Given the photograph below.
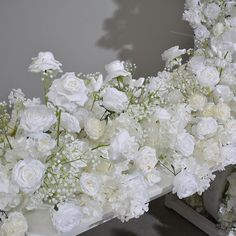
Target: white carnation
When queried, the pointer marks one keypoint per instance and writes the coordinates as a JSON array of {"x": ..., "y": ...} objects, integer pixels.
[
  {"x": 70, "y": 122},
  {"x": 37, "y": 119},
  {"x": 28, "y": 174},
  {"x": 172, "y": 53},
  {"x": 15, "y": 225},
  {"x": 94, "y": 128},
  {"x": 197, "y": 102},
  {"x": 146, "y": 159},
  {"x": 66, "y": 217},
  {"x": 114, "y": 100},
  {"x": 68, "y": 92},
  {"x": 44, "y": 61},
  {"x": 212, "y": 11},
  {"x": 185, "y": 144},
  {"x": 185, "y": 184},
  {"x": 89, "y": 184}
]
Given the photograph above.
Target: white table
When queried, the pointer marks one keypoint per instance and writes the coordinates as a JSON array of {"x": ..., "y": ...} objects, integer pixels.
[{"x": 40, "y": 222}]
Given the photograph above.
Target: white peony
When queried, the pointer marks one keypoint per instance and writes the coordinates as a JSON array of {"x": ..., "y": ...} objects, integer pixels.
[
  {"x": 15, "y": 225},
  {"x": 146, "y": 159},
  {"x": 28, "y": 175},
  {"x": 206, "y": 126},
  {"x": 212, "y": 11},
  {"x": 116, "y": 69},
  {"x": 197, "y": 102},
  {"x": 171, "y": 53},
  {"x": 70, "y": 122},
  {"x": 68, "y": 92},
  {"x": 37, "y": 119},
  {"x": 66, "y": 217},
  {"x": 89, "y": 184},
  {"x": 185, "y": 143},
  {"x": 114, "y": 100},
  {"x": 123, "y": 146},
  {"x": 201, "y": 33},
  {"x": 209, "y": 76},
  {"x": 185, "y": 184},
  {"x": 45, "y": 61},
  {"x": 94, "y": 128}
]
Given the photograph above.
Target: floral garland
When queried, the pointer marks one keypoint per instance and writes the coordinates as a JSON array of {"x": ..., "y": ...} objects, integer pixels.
[{"x": 101, "y": 141}]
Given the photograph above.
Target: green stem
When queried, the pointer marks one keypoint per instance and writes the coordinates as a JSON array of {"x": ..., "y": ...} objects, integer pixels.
[
  {"x": 58, "y": 127},
  {"x": 8, "y": 141}
]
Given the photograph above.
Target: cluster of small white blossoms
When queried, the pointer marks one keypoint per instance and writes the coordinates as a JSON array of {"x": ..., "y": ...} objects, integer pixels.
[{"x": 99, "y": 143}]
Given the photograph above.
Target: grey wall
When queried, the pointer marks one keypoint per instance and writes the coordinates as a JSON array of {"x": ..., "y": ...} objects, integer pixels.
[{"x": 85, "y": 35}]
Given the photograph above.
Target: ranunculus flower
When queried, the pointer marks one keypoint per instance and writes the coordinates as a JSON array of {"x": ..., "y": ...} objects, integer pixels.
[
  {"x": 68, "y": 92},
  {"x": 115, "y": 69},
  {"x": 37, "y": 119},
  {"x": 67, "y": 217},
  {"x": 44, "y": 61},
  {"x": 15, "y": 225},
  {"x": 94, "y": 128},
  {"x": 115, "y": 100},
  {"x": 185, "y": 184},
  {"x": 172, "y": 53},
  {"x": 185, "y": 144},
  {"x": 89, "y": 184},
  {"x": 28, "y": 175},
  {"x": 146, "y": 159}
]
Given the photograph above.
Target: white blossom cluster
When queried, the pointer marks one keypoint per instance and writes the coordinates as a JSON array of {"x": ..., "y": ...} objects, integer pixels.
[{"x": 98, "y": 143}]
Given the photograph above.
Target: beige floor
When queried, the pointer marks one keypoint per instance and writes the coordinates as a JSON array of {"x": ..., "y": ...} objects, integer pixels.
[{"x": 159, "y": 221}]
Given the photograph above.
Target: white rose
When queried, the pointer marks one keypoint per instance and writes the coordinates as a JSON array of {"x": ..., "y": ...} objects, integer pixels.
[
  {"x": 89, "y": 184},
  {"x": 153, "y": 177},
  {"x": 68, "y": 92},
  {"x": 197, "y": 102},
  {"x": 185, "y": 143},
  {"x": 116, "y": 69},
  {"x": 44, "y": 61},
  {"x": 70, "y": 122},
  {"x": 81, "y": 115},
  {"x": 222, "y": 111},
  {"x": 228, "y": 155},
  {"x": 123, "y": 146},
  {"x": 201, "y": 33},
  {"x": 185, "y": 184},
  {"x": 209, "y": 76},
  {"x": 15, "y": 225},
  {"x": 146, "y": 159},
  {"x": 223, "y": 92},
  {"x": 45, "y": 143},
  {"x": 28, "y": 174},
  {"x": 212, "y": 11},
  {"x": 172, "y": 53},
  {"x": 206, "y": 126},
  {"x": 37, "y": 119},
  {"x": 114, "y": 100},
  {"x": 94, "y": 128},
  {"x": 67, "y": 217}
]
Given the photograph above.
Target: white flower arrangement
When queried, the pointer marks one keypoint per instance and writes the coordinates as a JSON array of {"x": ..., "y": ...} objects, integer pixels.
[{"x": 98, "y": 142}]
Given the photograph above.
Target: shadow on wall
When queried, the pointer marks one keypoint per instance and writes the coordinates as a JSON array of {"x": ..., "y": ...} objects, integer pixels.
[{"x": 140, "y": 30}]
